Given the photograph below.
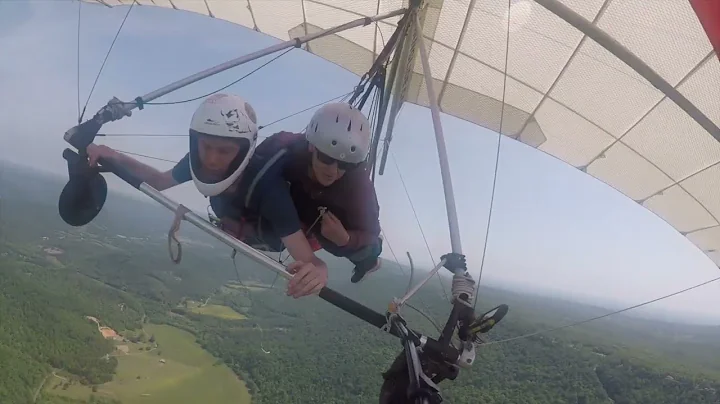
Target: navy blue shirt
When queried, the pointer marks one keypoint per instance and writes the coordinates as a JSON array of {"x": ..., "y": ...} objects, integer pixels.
[{"x": 270, "y": 197}]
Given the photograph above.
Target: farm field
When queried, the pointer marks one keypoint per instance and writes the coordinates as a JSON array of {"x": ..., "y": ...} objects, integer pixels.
[{"x": 177, "y": 370}]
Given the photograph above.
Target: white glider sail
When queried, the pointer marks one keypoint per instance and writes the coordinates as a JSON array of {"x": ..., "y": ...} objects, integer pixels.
[{"x": 566, "y": 94}]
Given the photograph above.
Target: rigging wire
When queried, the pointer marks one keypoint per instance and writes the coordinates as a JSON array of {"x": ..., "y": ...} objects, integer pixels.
[
  {"x": 138, "y": 135},
  {"x": 402, "y": 269},
  {"x": 78, "y": 60},
  {"x": 437, "y": 327},
  {"x": 602, "y": 316},
  {"x": 417, "y": 219},
  {"x": 248, "y": 293},
  {"x": 104, "y": 61},
  {"x": 171, "y": 135},
  {"x": 260, "y": 127},
  {"x": 146, "y": 156},
  {"x": 306, "y": 109},
  {"x": 375, "y": 105},
  {"x": 222, "y": 88},
  {"x": 497, "y": 162}
]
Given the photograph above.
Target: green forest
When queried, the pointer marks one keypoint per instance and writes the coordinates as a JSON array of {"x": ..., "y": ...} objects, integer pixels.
[{"x": 117, "y": 270}]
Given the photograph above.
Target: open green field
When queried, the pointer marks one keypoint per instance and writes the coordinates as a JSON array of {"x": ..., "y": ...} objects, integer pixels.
[
  {"x": 249, "y": 285},
  {"x": 188, "y": 374},
  {"x": 219, "y": 311}
]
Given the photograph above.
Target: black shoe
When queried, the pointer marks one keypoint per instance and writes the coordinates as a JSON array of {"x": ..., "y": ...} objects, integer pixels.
[{"x": 364, "y": 268}]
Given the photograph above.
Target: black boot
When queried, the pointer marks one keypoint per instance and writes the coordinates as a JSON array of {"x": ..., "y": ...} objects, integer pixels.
[{"x": 363, "y": 268}]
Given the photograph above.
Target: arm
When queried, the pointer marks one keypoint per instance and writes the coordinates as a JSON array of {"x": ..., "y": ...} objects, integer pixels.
[
  {"x": 160, "y": 180},
  {"x": 366, "y": 226},
  {"x": 275, "y": 204},
  {"x": 299, "y": 248},
  {"x": 273, "y": 201}
]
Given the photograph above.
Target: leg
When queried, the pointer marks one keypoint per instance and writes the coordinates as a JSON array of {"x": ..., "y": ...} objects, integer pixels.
[
  {"x": 257, "y": 234},
  {"x": 366, "y": 259}
]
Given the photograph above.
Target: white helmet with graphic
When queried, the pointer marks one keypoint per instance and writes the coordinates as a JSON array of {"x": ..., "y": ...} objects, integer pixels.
[
  {"x": 224, "y": 116},
  {"x": 340, "y": 131}
]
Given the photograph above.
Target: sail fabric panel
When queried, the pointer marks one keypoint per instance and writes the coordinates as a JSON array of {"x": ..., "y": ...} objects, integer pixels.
[
  {"x": 705, "y": 186},
  {"x": 699, "y": 86},
  {"x": 629, "y": 172},
  {"x": 200, "y": 7},
  {"x": 563, "y": 93},
  {"x": 237, "y": 15},
  {"x": 694, "y": 216},
  {"x": 576, "y": 140},
  {"x": 673, "y": 141}
]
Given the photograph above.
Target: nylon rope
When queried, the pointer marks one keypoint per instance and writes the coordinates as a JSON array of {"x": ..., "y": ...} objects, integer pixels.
[
  {"x": 602, "y": 316},
  {"x": 417, "y": 220},
  {"x": 497, "y": 163},
  {"x": 117, "y": 34}
]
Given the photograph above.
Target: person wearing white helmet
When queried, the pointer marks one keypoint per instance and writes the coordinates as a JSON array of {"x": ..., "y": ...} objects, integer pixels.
[
  {"x": 311, "y": 191},
  {"x": 223, "y": 135}
]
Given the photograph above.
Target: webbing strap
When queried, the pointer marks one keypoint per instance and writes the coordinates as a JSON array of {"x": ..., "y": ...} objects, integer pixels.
[
  {"x": 262, "y": 172},
  {"x": 172, "y": 234}
]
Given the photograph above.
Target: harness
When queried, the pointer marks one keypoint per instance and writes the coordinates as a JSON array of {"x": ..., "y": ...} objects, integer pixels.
[
  {"x": 284, "y": 141},
  {"x": 268, "y": 164}
]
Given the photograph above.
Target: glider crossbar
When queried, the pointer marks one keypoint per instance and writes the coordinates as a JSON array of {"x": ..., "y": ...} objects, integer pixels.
[{"x": 331, "y": 296}]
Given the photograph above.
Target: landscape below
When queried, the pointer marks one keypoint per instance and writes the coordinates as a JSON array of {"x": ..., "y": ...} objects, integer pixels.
[{"x": 99, "y": 314}]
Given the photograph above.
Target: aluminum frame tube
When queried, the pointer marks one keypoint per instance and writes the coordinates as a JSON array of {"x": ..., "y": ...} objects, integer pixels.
[
  {"x": 450, "y": 205},
  {"x": 213, "y": 231}
]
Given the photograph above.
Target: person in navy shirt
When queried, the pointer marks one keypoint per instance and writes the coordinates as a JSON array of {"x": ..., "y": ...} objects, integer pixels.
[{"x": 223, "y": 135}]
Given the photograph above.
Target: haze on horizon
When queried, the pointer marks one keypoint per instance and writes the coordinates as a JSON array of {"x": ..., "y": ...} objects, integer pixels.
[{"x": 554, "y": 229}]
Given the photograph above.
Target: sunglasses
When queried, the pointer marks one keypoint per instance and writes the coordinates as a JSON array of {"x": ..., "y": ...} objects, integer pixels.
[{"x": 327, "y": 160}]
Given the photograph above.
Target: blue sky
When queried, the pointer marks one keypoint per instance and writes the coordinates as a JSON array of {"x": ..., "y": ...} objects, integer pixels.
[{"x": 554, "y": 228}]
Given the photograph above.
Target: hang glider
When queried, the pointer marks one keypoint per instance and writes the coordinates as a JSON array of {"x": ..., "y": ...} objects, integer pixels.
[{"x": 626, "y": 91}]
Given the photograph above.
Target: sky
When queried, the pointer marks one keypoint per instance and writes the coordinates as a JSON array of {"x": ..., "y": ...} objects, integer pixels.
[{"x": 553, "y": 228}]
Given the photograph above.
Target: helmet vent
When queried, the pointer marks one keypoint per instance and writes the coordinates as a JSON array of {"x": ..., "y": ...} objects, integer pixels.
[
  {"x": 349, "y": 126},
  {"x": 337, "y": 119},
  {"x": 352, "y": 149},
  {"x": 334, "y": 142}
]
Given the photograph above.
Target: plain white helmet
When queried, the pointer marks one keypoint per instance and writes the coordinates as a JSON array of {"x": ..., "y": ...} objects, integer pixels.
[
  {"x": 226, "y": 116},
  {"x": 341, "y": 131}
]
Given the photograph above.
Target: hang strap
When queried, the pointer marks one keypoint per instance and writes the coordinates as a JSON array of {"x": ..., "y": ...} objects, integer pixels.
[{"x": 172, "y": 234}]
